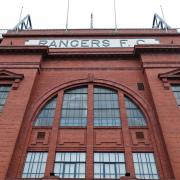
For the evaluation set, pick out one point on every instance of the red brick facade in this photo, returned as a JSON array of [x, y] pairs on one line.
[[37, 73]]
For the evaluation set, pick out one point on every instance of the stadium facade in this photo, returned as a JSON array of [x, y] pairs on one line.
[[90, 104]]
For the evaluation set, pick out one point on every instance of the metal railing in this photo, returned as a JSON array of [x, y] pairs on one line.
[[159, 23]]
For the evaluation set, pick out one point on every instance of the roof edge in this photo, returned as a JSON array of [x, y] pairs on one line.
[[24, 49]]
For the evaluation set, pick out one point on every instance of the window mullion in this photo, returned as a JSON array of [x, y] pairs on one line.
[[54, 135], [72, 166], [89, 148], [34, 170], [126, 134], [139, 162]]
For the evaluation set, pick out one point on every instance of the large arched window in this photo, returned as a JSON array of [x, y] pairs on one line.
[[134, 114], [85, 120], [47, 113], [106, 108]]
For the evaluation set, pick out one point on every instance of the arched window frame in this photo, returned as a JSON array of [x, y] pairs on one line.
[[43, 107], [74, 101], [119, 92], [137, 108]]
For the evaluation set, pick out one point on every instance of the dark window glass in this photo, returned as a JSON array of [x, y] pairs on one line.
[[109, 165], [35, 165], [4, 90], [140, 86], [74, 109], [47, 113], [145, 166], [106, 107], [134, 114], [70, 165], [176, 91]]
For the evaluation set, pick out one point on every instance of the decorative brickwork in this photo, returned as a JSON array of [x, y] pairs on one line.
[[39, 73]]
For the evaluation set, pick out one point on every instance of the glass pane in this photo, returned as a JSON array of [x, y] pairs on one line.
[[109, 166], [42, 167], [82, 176], [106, 107], [106, 157], [34, 168], [26, 168], [74, 110], [147, 176], [122, 169], [112, 170], [135, 158], [153, 168], [97, 176], [61, 167], [155, 177], [36, 157], [82, 168], [32, 175], [176, 87], [4, 91], [151, 157], [71, 166], [96, 157], [176, 91], [66, 168], [44, 158], [144, 168], [56, 168], [82, 157], [29, 156], [74, 157], [96, 168], [35, 164], [58, 157], [67, 157], [121, 157], [2, 101], [112, 157], [136, 167], [134, 114], [46, 115], [143, 157]]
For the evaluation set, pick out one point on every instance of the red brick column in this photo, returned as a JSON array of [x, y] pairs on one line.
[[11, 120], [126, 136], [54, 135], [168, 116], [89, 151]]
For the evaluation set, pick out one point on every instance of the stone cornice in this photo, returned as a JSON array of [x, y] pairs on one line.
[[11, 77], [175, 74], [91, 53], [24, 50], [138, 49], [90, 33], [8, 75], [114, 53]]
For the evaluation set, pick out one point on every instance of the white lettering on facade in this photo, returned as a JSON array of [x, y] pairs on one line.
[[90, 43]]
